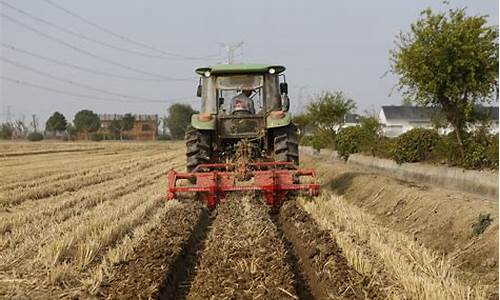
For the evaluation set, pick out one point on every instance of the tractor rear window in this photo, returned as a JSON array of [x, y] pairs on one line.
[[240, 82]]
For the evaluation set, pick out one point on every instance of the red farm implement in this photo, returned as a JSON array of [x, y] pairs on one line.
[[274, 180]]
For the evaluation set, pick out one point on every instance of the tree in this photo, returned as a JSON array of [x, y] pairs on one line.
[[164, 126], [71, 131], [20, 128], [34, 123], [303, 122], [328, 111], [86, 121], [56, 122], [127, 123], [449, 61], [115, 129], [6, 131], [118, 126], [179, 117]]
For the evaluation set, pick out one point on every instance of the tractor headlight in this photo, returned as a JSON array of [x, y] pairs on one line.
[[207, 73], [272, 70]]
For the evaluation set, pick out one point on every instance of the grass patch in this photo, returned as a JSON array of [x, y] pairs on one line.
[[483, 221]]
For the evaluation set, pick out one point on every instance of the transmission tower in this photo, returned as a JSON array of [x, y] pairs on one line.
[[230, 50], [6, 113]]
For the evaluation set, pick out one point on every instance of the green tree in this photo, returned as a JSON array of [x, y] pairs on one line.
[[86, 121], [71, 132], [115, 129], [449, 61], [6, 131], [179, 117], [328, 111], [56, 122], [128, 121], [303, 122]]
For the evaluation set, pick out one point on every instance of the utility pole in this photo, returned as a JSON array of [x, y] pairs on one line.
[[230, 50]]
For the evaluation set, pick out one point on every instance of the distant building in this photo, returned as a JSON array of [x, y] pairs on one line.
[[145, 126], [351, 120], [397, 120]]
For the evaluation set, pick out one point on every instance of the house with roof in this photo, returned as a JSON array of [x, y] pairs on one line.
[[351, 120], [145, 126], [397, 120]]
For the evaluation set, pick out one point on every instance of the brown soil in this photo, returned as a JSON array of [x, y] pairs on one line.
[[321, 259], [243, 257], [157, 266], [438, 218]]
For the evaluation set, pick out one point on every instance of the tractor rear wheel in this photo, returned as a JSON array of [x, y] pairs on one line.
[[198, 148], [286, 144]]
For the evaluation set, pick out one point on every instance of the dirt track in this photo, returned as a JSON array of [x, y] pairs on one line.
[[100, 227]]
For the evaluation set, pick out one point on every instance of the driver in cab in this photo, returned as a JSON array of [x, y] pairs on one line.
[[242, 103]]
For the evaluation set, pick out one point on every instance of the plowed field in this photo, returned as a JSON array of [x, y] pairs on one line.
[[90, 220]]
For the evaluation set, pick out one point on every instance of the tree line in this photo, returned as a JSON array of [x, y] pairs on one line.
[[448, 61], [86, 124]]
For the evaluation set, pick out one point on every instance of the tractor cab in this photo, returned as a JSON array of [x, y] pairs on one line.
[[221, 83]]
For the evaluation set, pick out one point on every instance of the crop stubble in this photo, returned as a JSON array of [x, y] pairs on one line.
[[67, 234], [60, 245]]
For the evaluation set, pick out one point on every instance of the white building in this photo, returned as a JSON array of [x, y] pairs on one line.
[[397, 120], [351, 120]]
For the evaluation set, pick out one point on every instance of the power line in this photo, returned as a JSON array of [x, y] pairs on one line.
[[122, 37], [77, 67], [88, 53], [45, 74], [78, 95], [82, 36]]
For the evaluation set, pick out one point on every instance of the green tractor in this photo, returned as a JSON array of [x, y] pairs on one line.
[[242, 105]]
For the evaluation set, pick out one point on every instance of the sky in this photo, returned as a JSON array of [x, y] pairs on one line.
[[136, 47]]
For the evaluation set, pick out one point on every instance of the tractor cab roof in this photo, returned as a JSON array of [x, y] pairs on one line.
[[229, 69]]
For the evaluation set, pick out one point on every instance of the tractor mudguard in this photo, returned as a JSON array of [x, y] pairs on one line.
[[208, 124], [275, 120]]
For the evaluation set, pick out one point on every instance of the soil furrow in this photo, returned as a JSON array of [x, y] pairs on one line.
[[177, 282], [243, 258], [153, 267], [321, 260]]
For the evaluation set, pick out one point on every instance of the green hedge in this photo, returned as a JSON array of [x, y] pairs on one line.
[[349, 141], [323, 139], [35, 136], [382, 147], [480, 150], [415, 145], [96, 136]]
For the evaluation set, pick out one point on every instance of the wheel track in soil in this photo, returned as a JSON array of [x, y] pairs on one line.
[[318, 260], [158, 267], [309, 249]]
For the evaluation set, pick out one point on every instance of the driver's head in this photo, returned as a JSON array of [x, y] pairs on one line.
[[248, 93]]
